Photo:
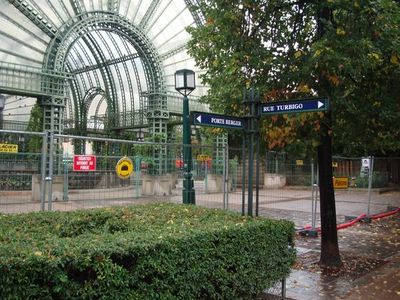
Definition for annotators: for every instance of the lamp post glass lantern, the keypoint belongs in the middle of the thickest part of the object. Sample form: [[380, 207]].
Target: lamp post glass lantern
[[184, 81], [185, 84]]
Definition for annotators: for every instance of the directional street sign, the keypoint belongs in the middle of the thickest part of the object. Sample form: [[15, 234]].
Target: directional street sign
[[214, 120], [295, 106]]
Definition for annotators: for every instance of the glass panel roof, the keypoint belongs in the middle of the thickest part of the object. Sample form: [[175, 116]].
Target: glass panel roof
[[28, 26]]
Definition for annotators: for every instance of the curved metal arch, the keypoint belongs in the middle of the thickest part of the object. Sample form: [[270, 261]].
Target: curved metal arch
[[96, 113], [58, 48], [87, 57], [137, 79], [90, 94], [106, 73], [75, 87], [87, 102], [120, 82], [128, 79]]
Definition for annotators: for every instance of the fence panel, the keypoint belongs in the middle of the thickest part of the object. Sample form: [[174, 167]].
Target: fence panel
[[102, 186], [289, 191], [369, 187], [290, 187], [83, 175], [20, 171]]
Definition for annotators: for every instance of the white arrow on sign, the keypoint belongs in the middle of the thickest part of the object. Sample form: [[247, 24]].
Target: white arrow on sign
[[320, 104], [199, 119]]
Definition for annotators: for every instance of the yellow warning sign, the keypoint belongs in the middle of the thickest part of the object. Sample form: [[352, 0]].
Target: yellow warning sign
[[340, 182], [124, 167], [299, 162], [9, 148], [203, 157]]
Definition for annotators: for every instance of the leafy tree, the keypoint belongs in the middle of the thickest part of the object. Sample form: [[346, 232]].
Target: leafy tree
[[347, 50], [358, 59], [273, 46]]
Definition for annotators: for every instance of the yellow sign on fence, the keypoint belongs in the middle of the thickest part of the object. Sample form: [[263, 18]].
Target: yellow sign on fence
[[9, 148], [340, 182], [124, 167], [203, 157]]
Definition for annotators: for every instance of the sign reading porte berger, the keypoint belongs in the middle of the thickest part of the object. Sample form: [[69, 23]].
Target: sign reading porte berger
[[124, 167], [9, 148]]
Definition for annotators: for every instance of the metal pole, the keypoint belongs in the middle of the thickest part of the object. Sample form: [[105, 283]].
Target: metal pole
[[65, 189], [312, 196], [206, 176], [243, 174], [2, 104], [188, 193], [284, 288], [251, 156], [244, 138], [49, 179], [316, 195], [257, 175], [371, 170], [43, 171], [250, 185], [225, 178], [138, 162], [257, 133]]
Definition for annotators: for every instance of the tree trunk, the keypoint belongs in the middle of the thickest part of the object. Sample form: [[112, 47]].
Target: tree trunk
[[330, 256]]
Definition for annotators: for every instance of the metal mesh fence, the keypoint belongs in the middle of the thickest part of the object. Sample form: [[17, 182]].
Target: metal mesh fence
[[20, 166], [83, 175], [103, 187], [370, 184], [288, 190], [361, 185]]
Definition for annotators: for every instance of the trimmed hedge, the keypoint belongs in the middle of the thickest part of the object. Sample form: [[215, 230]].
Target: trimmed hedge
[[158, 251]]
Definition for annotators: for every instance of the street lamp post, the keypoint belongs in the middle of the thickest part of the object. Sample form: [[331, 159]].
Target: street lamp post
[[185, 84]]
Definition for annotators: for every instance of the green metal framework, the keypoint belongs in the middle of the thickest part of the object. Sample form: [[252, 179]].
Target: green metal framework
[[100, 66]]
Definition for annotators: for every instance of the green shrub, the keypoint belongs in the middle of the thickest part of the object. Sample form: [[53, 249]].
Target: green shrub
[[379, 180], [161, 251]]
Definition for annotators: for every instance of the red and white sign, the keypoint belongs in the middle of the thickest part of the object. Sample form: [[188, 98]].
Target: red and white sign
[[83, 163]]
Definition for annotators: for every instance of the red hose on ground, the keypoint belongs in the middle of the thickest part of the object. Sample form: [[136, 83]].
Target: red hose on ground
[[359, 218], [352, 222], [385, 214]]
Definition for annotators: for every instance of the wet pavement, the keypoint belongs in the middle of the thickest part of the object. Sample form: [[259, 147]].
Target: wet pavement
[[371, 264]]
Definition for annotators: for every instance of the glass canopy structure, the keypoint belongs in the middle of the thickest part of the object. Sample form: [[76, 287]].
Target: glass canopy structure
[[98, 65]]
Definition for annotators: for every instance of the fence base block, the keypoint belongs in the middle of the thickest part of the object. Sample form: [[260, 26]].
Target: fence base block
[[158, 185], [58, 188], [274, 180], [215, 183]]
